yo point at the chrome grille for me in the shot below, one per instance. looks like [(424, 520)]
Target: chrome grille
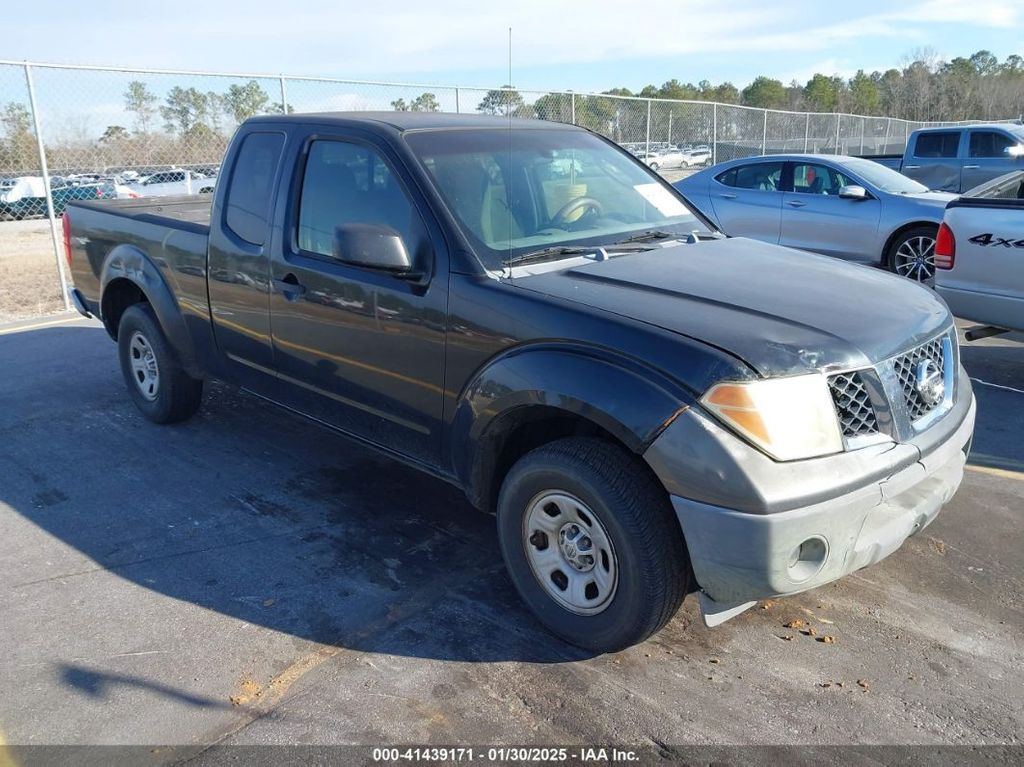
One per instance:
[(904, 367), (853, 404)]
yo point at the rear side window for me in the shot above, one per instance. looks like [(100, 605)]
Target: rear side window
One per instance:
[(989, 144), (942, 144), (251, 188), (763, 176), (347, 183)]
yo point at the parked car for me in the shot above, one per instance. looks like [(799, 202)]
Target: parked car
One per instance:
[(693, 157), (645, 404), (956, 159), (174, 182), (846, 207), (980, 256), (664, 159), (25, 197)]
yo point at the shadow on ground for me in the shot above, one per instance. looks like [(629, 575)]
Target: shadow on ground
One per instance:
[(251, 512)]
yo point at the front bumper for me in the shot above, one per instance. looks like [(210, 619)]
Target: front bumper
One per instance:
[(809, 522)]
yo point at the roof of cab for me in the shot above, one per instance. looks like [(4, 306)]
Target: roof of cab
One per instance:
[(407, 121)]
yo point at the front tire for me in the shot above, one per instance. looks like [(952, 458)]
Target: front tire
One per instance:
[(591, 543), (156, 381), (912, 254)]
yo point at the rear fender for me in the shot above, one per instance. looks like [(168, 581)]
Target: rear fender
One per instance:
[(130, 263)]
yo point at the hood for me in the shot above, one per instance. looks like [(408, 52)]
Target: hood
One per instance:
[(938, 199), (781, 311)]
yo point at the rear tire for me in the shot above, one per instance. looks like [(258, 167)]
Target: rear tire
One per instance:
[(912, 254), (592, 544), (157, 383)]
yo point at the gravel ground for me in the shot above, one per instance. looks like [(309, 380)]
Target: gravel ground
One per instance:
[(247, 578)]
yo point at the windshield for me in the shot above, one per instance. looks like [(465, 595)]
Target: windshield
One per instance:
[(884, 178), (515, 192)]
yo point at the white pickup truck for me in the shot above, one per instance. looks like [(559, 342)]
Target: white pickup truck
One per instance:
[(979, 256), (174, 182)]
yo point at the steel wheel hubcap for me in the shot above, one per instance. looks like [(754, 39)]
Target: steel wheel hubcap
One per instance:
[(145, 371), (915, 258), (570, 553)]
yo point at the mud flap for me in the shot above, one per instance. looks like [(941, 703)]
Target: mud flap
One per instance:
[(717, 613)]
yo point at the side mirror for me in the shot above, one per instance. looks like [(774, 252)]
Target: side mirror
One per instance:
[(372, 246), (1016, 151), (853, 192)]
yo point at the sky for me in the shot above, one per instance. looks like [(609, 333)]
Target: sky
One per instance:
[(584, 45)]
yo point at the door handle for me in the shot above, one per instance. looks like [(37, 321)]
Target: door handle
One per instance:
[(911, 167), (290, 287), (728, 196), (971, 167), (797, 203)]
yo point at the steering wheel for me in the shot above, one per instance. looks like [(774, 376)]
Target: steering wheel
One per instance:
[(579, 203)]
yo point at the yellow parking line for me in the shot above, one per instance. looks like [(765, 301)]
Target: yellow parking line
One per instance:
[(47, 324), (993, 471)]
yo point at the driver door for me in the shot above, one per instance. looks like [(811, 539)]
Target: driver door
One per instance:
[(358, 348), (816, 218)]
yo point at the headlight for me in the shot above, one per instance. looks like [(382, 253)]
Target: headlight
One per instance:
[(788, 418)]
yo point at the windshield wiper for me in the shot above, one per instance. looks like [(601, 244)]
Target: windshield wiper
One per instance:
[(648, 236), (545, 253)]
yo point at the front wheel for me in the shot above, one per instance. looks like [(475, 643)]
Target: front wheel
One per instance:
[(592, 544), (912, 255), (156, 381)]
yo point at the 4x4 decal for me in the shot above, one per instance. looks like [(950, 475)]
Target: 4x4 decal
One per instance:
[(989, 239)]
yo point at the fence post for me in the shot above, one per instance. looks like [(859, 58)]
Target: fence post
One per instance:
[(863, 129), (764, 134), (839, 120), (572, 101), (38, 127), (807, 129), (885, 146), (714, 133), (457, 109), (284, 98), (648, 147)]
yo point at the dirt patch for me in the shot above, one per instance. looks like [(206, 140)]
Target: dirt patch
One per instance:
[(29, 284)]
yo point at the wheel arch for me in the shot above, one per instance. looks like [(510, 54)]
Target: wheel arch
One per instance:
[(130, 277), (532, 396), (894, 236)]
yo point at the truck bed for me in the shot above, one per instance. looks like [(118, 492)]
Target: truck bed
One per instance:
[(190, 212)]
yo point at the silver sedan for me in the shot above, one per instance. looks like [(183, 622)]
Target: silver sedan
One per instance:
[(838, 206)]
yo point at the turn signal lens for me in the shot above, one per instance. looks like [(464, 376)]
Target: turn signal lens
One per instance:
[(787, 418)]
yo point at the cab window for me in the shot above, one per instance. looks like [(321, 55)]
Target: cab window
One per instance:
[(247, 209), (989, 144), (347, 183), (941, 144), (763, 176), (810, 178)]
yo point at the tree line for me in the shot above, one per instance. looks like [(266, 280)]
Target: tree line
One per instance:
[(923, 88)]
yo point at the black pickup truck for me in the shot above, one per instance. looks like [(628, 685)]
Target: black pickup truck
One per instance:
[(524, 310)]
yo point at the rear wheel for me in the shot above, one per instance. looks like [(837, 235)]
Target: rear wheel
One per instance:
[(912, 255), (592, 544), (156, 381)]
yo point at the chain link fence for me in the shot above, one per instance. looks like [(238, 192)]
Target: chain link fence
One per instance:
[(70, 132)]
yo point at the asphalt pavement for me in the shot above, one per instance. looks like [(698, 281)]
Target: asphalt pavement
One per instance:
[(250, 578)]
